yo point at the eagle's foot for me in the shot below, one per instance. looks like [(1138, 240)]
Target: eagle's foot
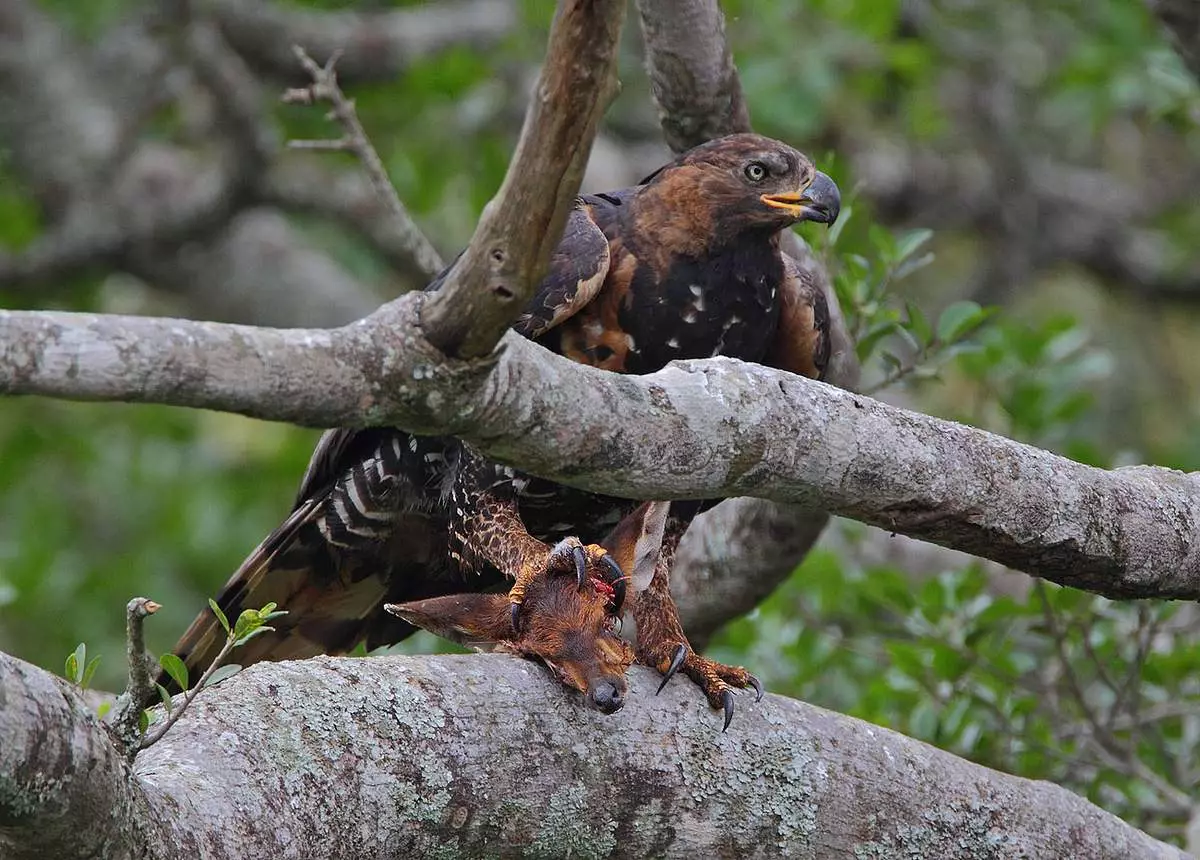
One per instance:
[(716, 680), (571, 556)]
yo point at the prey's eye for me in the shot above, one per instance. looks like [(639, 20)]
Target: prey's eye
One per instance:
[(756, 171)]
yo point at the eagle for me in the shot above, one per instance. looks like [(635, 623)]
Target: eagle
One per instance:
[(687, 264)]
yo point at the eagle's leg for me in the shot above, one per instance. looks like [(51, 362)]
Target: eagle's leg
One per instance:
[(487, 525), (663, 644)]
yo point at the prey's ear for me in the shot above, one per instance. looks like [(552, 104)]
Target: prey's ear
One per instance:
[(635, 542), (471, 620)]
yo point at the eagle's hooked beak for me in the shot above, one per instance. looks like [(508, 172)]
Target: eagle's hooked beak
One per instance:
[(820, 201)]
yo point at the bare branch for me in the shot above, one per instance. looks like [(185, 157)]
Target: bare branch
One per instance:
[(139, 692), (324, 88), (237, 95), (496, 275), (378, 45), (692, 76), (451, 754), (702, 429)]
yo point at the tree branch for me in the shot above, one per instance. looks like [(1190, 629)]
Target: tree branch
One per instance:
[(692, 76), (497, 273), (465, 754), (377, 45), (324, 88), (702, 429)]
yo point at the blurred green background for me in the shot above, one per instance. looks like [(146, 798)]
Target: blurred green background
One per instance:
[(1021, 183)]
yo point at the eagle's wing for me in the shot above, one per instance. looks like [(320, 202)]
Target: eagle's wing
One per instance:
[(801, 343), (577, 270), (337, 556)]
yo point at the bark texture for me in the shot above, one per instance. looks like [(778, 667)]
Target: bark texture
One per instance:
[(486, 756), (704, 429)]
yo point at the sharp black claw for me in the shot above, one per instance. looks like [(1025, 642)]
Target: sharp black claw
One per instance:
[(515, 615), (676, 661), (758, 688), (727, 701), (617, 583), (580, 558)]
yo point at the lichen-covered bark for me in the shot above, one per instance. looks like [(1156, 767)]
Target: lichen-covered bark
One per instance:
[(65, 790), (486, 756), (702, 429)]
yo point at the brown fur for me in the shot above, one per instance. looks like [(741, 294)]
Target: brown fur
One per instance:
[(569, 629)]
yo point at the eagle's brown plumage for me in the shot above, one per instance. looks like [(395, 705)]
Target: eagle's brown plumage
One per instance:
[(685, 265)]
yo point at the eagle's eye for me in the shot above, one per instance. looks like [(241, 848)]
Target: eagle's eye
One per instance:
[(756, 171)]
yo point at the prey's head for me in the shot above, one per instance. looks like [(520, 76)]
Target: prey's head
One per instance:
[(571, 628), (745, 183)]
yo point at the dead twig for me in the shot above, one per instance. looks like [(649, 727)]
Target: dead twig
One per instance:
[(139, 691), (325, 88)]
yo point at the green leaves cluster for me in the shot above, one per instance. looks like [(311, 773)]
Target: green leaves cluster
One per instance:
[(251, 623), (894, 338), (78, 669), (1046, 682)]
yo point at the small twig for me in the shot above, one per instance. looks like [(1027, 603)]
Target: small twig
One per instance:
[(324, 88), (901, 372), (139, 691), (155, 734), (1102, 735)]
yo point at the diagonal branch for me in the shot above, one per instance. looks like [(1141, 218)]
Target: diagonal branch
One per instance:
[(702, 429), (496, 275), (692, 76)]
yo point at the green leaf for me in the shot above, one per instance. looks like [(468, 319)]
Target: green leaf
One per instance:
[(143, 722), (102, 711), (220, 615), (836, 230), (75, 660), (867, 343), (242, 640), (165, 696), (176, 668), (246, 623), (911, 242), (89, 671), (226, 671), (958, 320), (918, 323), (913, 264)]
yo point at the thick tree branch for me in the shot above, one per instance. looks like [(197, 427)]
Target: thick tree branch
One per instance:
[(402, 757), (693, 430), (497, 273), (692, 76)]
